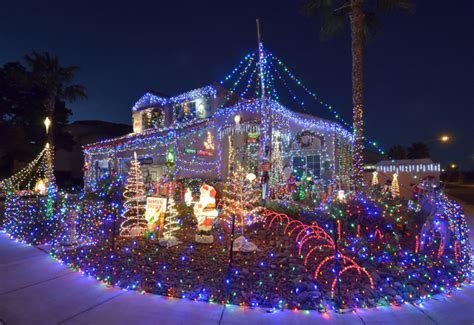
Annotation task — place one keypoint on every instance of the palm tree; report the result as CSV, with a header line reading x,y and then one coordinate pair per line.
x,y
362,18
54,81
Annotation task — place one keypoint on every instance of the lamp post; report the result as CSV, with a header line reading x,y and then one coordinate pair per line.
x,y
47,124
49,145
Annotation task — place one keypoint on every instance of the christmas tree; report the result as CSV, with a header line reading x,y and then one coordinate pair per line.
x,y
240,200
395,186
277,166
375,179
171,222
135,223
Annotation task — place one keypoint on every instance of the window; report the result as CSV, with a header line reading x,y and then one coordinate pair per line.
x,y
299,167
153,118
313,165
307,166
185,112
202,108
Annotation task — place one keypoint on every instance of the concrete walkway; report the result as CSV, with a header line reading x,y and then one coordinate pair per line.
x,y
34,289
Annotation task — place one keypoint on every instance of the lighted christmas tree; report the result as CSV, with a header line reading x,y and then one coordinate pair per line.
x,y
375,179
171,222
395,187
277,166
135,223
171,225
240,200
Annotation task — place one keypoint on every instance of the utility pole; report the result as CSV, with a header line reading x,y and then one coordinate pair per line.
x,y
265,123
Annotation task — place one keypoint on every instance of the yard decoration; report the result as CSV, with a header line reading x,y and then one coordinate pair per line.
x,y
171,226
395,189
375,179
205,212
134,223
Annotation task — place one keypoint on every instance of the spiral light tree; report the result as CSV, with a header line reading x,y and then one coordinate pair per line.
x,y
171,226
135,223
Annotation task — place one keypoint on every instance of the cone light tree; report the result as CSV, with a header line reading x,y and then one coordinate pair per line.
x,y
395,186
172,224
375,179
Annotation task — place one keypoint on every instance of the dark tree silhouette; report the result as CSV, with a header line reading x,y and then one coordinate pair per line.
x,y
418,150
397,152
54,82
25,101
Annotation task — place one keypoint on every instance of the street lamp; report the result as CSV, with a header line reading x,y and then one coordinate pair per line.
x,y
47,124
453,166
444,138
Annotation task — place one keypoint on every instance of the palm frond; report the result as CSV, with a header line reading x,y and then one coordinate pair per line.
x,y
331,13
73,92
403,5
371,26
311,7
332,24
314,8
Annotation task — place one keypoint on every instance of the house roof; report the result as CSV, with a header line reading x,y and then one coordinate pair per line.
x,y
404,162
153,99
153,136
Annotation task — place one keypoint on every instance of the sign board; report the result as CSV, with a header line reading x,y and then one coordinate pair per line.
x,y
155,209
204,153
146,160
189,150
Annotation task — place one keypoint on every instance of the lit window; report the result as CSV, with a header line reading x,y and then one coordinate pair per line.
x,y
185,112
307,166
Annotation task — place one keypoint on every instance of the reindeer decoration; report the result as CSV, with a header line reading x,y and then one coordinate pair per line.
x,y
436,221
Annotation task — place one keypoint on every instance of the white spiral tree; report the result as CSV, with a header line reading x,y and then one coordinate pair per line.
x,y
134,223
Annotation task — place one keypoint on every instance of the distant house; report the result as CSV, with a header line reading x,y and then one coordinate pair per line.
x,y
69,164
410,173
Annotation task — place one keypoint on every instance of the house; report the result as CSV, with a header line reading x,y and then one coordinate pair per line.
x,y
208,130
410,173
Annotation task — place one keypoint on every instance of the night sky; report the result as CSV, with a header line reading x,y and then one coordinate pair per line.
x,y
419,69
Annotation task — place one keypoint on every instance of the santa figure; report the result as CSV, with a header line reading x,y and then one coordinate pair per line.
x,y
206,212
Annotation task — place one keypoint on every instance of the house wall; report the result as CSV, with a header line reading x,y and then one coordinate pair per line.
x,y
202,148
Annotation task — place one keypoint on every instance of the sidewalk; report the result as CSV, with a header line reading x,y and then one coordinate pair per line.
x,y
34,289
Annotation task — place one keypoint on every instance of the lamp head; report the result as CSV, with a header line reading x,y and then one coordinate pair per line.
x,y
237,119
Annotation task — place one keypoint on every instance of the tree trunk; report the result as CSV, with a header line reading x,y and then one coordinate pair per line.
x,y
357,31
